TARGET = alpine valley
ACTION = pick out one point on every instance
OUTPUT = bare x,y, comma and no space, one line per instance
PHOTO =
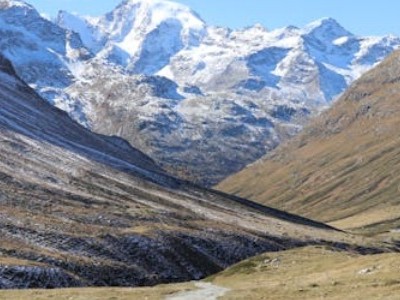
81,209
114,128
202,101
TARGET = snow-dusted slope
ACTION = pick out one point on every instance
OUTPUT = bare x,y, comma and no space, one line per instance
202,101
156,37
314,64
45,55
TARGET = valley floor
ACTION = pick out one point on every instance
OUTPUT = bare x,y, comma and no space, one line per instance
307,273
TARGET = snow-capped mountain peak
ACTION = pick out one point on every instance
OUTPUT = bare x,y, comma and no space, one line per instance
139,31
233,93
159,11
326,29
133,20
256,28
14,3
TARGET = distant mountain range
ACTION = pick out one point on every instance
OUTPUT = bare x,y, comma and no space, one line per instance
202,101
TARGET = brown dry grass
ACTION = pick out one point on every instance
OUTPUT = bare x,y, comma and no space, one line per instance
160,292
314,273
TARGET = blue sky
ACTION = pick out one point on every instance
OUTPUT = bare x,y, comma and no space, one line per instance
363,17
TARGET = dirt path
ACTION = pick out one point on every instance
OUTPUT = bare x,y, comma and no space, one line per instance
206,291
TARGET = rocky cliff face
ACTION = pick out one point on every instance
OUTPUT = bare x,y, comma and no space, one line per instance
202,101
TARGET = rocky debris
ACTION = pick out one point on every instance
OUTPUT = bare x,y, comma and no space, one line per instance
367,271
20,277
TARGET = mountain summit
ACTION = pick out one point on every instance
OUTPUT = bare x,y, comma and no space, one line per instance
15,3
141,35
327,29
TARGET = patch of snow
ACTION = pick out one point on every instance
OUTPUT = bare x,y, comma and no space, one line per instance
166,72
366,44
341,41
81,26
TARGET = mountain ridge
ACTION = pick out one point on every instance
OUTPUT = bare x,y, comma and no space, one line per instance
202,95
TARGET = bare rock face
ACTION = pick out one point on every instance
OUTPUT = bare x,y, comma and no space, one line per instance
80,209
185,135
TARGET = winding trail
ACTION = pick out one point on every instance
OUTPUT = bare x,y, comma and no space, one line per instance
206,291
